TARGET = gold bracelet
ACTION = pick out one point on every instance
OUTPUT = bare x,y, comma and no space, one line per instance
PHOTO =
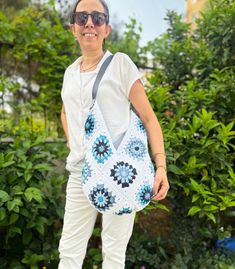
158,153
162,167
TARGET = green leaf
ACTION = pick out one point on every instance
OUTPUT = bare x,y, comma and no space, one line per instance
42,167
174,169
211,199
11,205
1,159
25,165
33,193
229,127
231,173
17,190
6,164
192,161
185,188
24,212
14,204
4,196
16,230
195,198
32,260
27,175
27,237
193,210
231,204
31,224
162,206
211,216
13,218
231,133
195,185
213,185
40,228
40,222
26,144
210,208
206,192
3,214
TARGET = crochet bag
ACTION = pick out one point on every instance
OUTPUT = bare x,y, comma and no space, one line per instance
117,181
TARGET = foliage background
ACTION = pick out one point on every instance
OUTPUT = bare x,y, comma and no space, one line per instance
191,89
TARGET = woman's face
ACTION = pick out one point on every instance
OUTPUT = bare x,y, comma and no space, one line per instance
90,36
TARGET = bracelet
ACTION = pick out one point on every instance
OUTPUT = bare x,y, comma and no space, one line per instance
158,153
162,167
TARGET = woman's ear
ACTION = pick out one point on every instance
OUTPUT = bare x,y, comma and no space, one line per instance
108,30
71,28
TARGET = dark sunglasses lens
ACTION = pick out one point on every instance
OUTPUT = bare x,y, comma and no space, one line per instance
98,18
81,18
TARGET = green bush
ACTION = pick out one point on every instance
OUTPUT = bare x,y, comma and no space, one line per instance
31,209
192,92
199,149
193,95
190,245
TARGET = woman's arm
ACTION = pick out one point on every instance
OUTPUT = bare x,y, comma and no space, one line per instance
140,102
64,124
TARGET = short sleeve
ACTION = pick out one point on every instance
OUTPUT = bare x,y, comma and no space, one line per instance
63,84
129,72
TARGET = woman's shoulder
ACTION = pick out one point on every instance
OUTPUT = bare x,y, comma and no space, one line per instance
122,57
124,61
73,66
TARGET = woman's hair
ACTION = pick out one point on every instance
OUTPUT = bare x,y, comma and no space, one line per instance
106,10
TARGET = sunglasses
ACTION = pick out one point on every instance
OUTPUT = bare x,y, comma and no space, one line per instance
81,18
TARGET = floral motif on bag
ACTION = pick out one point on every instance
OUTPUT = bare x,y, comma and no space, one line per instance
136,149
89,125
123,173
86,172
144,194
102,198
125,210
101,149
140,126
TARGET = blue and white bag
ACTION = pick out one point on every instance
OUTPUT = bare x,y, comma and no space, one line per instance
117,181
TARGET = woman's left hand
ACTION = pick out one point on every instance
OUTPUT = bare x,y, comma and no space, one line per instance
161,184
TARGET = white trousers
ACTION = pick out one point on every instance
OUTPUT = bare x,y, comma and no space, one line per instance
79,221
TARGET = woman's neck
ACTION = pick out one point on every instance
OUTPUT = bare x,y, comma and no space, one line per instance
91,58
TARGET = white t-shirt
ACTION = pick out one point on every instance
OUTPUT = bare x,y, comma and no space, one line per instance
112,97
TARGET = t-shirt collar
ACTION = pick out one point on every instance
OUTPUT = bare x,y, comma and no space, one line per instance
76,65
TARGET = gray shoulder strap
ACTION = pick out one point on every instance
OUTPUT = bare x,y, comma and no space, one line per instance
100,75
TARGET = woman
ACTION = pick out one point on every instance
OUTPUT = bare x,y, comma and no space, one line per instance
90,27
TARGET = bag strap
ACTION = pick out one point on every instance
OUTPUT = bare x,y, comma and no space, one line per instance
100,74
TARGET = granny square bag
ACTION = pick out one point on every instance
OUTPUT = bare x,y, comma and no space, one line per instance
117,181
